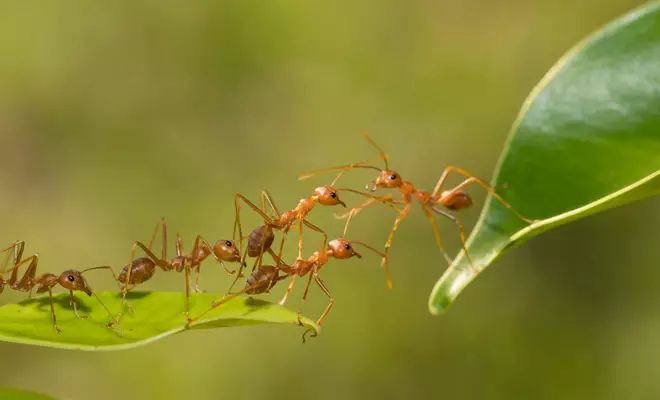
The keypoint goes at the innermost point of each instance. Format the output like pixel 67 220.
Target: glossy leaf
pixel 587 139
pixel 157 315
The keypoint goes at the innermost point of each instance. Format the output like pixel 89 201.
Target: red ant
pixel 71 279
pixel 261 238
pixel 453 199
pixel 142 269
pixel 338 248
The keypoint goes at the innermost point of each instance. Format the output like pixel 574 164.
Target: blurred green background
pixel 112 115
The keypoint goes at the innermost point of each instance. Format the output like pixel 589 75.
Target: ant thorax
pixel 305 206
pixel 407 188
pixel 424 198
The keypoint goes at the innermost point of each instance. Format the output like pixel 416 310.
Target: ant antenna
pixel 382 153
pixel 345 168
pixel 383 261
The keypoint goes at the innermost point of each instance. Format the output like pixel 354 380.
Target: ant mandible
pixel 71 279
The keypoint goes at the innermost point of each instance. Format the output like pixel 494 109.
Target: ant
pixel 71 279
pixel 262 237
pixel 454 199
pixel 142 269
pixel 338 248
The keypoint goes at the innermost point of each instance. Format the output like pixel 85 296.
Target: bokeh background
pixel 114 114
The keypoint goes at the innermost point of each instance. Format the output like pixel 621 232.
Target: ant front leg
pixel 317 229
pixel 52 311
pixel 72 302
pixel 471 179
pixel 397 221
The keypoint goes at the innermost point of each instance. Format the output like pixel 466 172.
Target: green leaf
pixel 19 394
pixel 587 139
pixel 157 315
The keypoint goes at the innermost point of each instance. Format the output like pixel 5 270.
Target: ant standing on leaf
pixel 142 269
pixel 71 279
pixel 454 199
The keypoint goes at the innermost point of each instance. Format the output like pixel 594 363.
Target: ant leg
pixel 473 179
pixel 72 302
pixel 162 223
pixel 309 283
pixel 355 210
pixel 436 233
pixel 197 275
pixel 18 246
pixel 27 281
pixel 284 233
pixel 52 311
pixel 240 271
pixel 114 276
pixel 288 290
pixel 222 301
pixel 327 309
pixel 397 221
pixel 266 198
pixel 317 229
pixel 461 232
pixel 300 241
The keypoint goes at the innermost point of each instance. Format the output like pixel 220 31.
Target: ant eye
pixel 70 278
pixel 347 247
pixel 228 243
pixel 333 195
pixel 393 177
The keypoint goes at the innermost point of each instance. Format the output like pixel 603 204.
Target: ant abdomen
pixel 142 270
pixel 457 201
pixel 260 238
pixel 262 279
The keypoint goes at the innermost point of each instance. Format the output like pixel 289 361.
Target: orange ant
pixel 339 248
pixel 142 269
pixel 71 279
pixel 453 199
pixel 261 238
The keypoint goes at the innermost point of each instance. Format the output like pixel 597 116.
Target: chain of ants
pixel 263 277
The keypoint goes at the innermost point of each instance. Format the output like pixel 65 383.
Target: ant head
pixel 226 250
pixel 387 179
pixel 328 196
pixel 342 249
pixel 73 280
